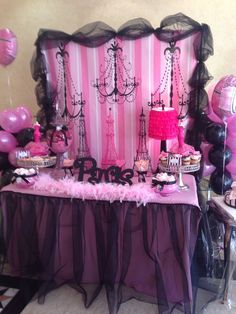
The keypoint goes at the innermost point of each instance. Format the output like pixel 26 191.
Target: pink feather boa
pixel 141 193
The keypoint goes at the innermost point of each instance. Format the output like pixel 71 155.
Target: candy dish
pixel 24 178
pixel 164 183
pixel 167 189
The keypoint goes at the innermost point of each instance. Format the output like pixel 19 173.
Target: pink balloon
pixel 8 46
pixel 231 126
pixel 12 156
pixel 205 147
pixel 213 116
pixel 10 121
pixel 25 117
pixel 207 169
pixel 224 97
pixel 231 141
pixel 7 142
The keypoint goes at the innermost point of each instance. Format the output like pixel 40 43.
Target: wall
pixel 26 17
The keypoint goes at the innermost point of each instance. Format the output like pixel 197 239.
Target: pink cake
pixel 37 149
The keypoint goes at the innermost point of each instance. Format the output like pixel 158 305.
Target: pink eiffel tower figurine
pixel 111 157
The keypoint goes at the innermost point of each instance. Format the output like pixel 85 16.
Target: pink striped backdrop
pixel 147 60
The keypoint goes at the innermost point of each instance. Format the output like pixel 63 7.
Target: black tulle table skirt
pixel 133 251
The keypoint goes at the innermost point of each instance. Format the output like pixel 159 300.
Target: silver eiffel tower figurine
pixel 142 151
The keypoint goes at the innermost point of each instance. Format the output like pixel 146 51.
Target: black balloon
pixel 215 133
pixel 25 136
pixel 204 122
pixel 220 156
pixel 4 162
pixel 220 181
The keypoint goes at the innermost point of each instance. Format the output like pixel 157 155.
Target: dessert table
pixel 132 248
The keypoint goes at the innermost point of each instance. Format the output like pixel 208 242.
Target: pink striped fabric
pixel 146 61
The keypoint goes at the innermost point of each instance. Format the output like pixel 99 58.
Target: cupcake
pixel 186 160
pixel 170 179
pixel 163 158
pixel 163 178
pixel 195 158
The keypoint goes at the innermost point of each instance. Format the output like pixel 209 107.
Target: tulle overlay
pixel 133 250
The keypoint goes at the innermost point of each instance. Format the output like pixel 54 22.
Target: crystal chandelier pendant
pixel 115 84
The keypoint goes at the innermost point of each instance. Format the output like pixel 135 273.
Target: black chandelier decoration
pixel 64 79
pixel 115 84
pixel 171 74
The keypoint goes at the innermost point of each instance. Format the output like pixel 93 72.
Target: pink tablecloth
pixel 142 193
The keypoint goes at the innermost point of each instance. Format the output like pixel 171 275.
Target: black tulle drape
pixel 97 244
pixel 198 106
pixel 172 28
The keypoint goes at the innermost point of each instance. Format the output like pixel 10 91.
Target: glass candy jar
pixel 59 140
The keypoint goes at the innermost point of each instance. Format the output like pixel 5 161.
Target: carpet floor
pixel 66 300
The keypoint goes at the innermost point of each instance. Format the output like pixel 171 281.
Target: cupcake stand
pixel 180 170
pixel 174 163
pixel 36 163
pixel 39 152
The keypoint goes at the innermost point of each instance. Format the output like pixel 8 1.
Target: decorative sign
pixel 93 174
pixel 22 154
pixel 174 160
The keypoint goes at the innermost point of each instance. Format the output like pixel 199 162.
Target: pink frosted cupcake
pixel 186 160
pixel 163 158
pixel 195 158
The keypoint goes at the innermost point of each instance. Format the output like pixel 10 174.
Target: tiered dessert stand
pixel 37 163
pixel 180 170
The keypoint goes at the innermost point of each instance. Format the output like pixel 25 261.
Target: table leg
pixel 227 241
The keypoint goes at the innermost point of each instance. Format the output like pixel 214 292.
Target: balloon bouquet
pixel 219 148
pixel 15 123
pixel 16 131
pixel 8 46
